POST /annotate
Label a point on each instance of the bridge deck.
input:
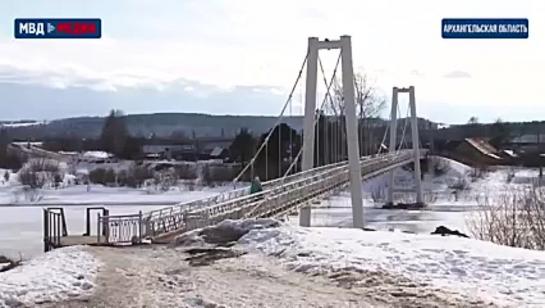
(278, 197)
(72, 240)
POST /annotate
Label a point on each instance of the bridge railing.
(188, 215)
(156, 217)
(295, 191)
(54, 223)
(284, 197)
(296, 195)
(120, 229)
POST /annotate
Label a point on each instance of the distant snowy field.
(79, 194)
(59, 275)
(471, 268)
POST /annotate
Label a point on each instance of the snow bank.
(52, 277)
(224, 232)
(455, 167)
(473, 268)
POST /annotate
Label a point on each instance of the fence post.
(140, 227)
(88, 222)
(105, 213)
(98, 228)
(106, 226)
(46, 230)
(63, 219)
(58, 232)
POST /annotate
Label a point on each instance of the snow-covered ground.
(62, 274)
(459, 270)
(98, 194)
(470, 268)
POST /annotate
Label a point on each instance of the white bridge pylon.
(345, 45)
(415, 142)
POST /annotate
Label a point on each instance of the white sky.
(197, 50)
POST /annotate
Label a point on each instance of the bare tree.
(473, 120)
(516, 219)
(369, 104)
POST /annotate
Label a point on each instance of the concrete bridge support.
(345, 45)
(415, 143)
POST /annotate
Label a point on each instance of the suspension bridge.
(301, 184)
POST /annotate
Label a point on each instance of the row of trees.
(7, 160)
(330, 134)
(115, 137)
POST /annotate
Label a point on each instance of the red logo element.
(76, 28)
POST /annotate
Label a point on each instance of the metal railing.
(277, 198)
(232, 194)
(54, 227)
(120, 229)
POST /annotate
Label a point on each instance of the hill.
(160, 124)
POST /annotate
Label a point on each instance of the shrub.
(165, 179)
(135, 176)
(32, 195)
(206, 178)
(515, 219)
(221, 173)
(439, 166)
(6, 176)
(510, 175)
(430, 197)
(102, 176)
(43, 165)
(378, 194)
(186, 172)
(478, 173)
(38, 172)
(459, 184)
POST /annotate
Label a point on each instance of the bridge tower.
(415, 142)
(345, 45)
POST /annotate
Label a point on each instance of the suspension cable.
(279, 149)
(279, 119)
(328, 96)
(317, 116)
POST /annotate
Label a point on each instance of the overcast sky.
(242, 56)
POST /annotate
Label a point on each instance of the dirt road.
(157, 276)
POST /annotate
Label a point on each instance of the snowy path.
(288, 267)
(158, 277)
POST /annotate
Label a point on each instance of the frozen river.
(336, 211)
(21, 226)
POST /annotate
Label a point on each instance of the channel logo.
(485, 28)
(57, 28)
